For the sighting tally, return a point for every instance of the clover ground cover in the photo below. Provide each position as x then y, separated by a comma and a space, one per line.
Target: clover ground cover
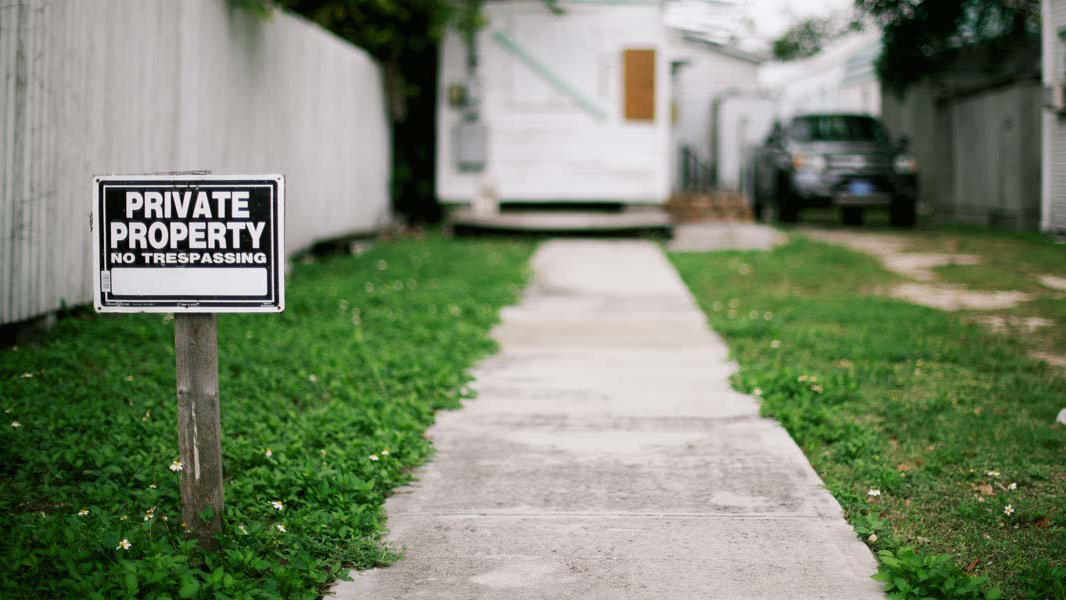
323, 413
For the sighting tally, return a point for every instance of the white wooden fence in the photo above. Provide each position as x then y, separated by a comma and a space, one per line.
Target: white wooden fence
138, 86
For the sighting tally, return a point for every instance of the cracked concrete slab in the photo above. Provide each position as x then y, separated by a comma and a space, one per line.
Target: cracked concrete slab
606, 456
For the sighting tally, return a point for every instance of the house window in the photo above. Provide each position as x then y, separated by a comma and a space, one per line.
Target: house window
639, 73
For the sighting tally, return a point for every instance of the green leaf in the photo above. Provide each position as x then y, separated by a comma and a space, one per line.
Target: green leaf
188, 589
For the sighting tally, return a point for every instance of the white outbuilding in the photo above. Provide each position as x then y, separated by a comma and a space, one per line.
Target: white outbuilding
568, 106
718, 110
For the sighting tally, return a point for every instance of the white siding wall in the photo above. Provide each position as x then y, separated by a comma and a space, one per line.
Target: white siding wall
1054, 126
123, 86
707, 75
541, 145
743, 124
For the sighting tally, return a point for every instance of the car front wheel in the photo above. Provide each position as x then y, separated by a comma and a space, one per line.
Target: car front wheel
902, 212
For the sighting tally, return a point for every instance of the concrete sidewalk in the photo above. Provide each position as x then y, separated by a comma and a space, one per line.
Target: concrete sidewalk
606, 457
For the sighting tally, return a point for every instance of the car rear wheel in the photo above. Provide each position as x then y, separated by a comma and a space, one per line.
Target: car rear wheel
851, 215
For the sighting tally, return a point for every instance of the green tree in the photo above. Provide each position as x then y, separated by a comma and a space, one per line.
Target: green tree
808, 36
403, 35
923, 37
803, 39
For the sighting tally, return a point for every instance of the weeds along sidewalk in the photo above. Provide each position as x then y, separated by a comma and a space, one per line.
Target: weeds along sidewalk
323, 413
934, 434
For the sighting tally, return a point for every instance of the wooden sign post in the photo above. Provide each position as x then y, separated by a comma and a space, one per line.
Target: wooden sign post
193, 245
199, 424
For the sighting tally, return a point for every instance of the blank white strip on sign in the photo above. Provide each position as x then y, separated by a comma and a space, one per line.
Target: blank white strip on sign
187, 281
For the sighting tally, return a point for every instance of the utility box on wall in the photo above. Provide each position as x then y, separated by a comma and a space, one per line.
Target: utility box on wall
471, 145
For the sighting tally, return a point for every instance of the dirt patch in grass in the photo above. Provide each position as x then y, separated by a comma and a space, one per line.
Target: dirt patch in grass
999, 279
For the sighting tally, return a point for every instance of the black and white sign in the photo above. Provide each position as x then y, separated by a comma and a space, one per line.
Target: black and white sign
189, 243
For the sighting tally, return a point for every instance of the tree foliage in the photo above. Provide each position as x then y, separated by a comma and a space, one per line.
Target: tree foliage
923, 37
808, 36
803, 39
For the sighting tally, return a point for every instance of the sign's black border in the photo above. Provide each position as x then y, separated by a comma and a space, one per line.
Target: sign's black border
273, 297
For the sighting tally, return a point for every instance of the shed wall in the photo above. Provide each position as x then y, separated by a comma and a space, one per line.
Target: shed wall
543, 143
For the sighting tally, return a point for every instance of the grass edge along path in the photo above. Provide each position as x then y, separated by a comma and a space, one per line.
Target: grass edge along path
934, 435
324, 410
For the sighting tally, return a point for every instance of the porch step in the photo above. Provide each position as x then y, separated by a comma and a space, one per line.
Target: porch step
716, 205
559, 221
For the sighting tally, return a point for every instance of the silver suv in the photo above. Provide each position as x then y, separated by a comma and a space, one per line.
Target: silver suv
843, 160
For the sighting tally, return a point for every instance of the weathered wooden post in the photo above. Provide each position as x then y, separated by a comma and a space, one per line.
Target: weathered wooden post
199, 424
192, 244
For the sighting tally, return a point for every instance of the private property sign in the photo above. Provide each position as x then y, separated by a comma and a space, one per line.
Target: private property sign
189, 243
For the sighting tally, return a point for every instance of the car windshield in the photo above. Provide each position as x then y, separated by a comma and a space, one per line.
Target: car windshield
837, 128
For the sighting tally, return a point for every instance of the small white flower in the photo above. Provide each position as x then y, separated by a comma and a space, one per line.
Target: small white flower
717, 306
129, 377
147, 415
873, 493
803, 378
872, 538
7, 411
757, 392
151, 486
385, 452
177, 466
268, 453
280, 527
817, 389
277, 505
733, 303
83, 512
993, 473
243, 529
26, 375
1012, 486
1008, 510
767, 315
123, 545
123, 517
16, 424
775, 344
382, 265
312, 378
455, 310
374, 457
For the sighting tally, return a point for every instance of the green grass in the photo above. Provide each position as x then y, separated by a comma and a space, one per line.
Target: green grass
913, 402
367, 349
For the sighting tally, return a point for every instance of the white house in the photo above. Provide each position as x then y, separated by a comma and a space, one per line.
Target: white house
839, 78
1053, 181
543, 107
706, 77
